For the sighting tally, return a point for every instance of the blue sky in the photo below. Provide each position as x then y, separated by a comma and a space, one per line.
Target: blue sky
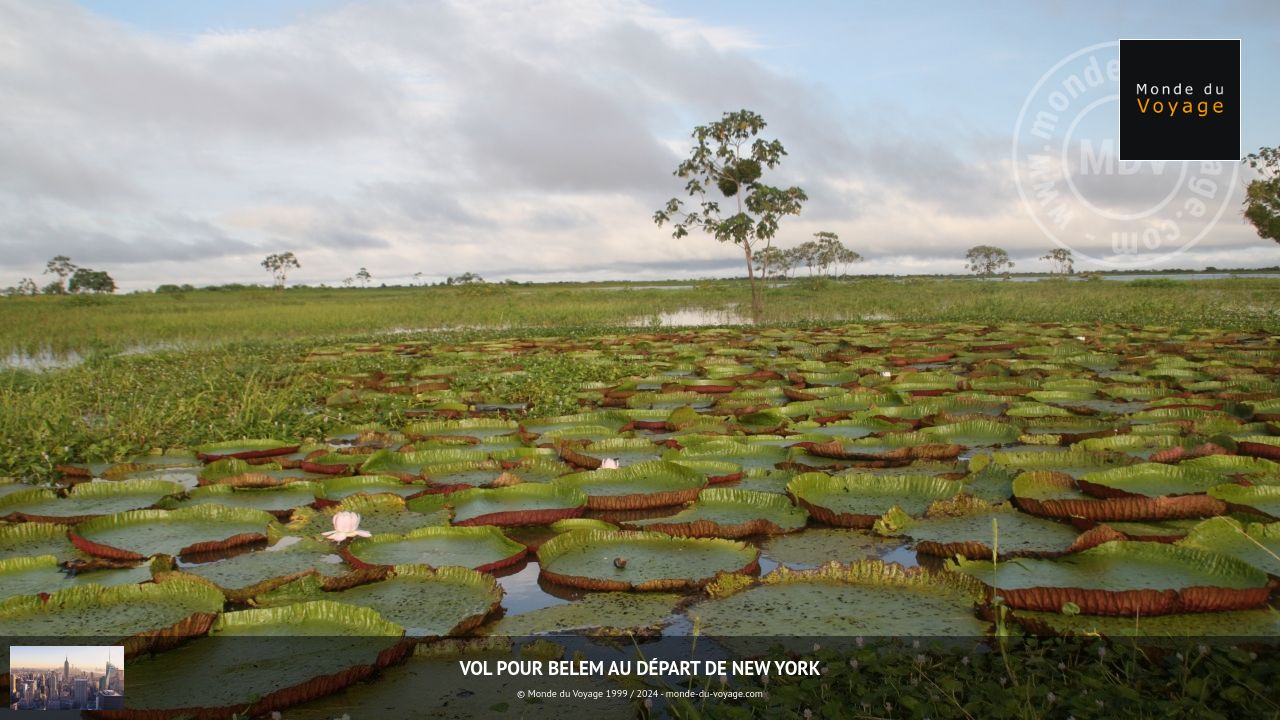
183, 141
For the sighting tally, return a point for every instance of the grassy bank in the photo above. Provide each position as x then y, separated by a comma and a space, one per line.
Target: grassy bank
85, 324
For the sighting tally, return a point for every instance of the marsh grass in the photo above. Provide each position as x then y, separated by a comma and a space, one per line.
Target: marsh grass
32, 325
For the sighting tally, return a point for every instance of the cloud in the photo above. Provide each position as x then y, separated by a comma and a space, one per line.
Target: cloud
509, 139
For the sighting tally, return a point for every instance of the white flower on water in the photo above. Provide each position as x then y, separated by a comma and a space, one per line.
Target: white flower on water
346, 525
885, 373
609, 464
1081, 338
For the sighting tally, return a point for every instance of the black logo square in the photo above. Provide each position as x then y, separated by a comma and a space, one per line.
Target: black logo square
1180, 100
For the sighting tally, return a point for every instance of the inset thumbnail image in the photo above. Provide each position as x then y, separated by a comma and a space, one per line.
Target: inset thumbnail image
66, 677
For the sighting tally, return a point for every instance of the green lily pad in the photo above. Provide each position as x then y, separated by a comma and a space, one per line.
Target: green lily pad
425, 601
1149, 480
32, 538
31, 575
244, 575
523, 504
115, 612
868, 598
605, 613
380, 514
974, 530
138, 534
243, 449
1255, 543
819, 546
332, 645
338, 488
729, 513
974, 433
272, 499
603, 560
1125, 578
636, 487
89, 499
857, 500
1264, 499
482, 548
1252, 624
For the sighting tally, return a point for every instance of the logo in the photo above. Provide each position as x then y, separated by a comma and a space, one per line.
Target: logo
1067, 167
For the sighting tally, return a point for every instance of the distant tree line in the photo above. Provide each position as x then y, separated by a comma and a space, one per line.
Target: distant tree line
69, 278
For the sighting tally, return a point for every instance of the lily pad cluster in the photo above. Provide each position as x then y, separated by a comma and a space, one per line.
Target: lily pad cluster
894, 479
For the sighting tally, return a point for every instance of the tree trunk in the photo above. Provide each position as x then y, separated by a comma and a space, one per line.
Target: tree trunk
757, 302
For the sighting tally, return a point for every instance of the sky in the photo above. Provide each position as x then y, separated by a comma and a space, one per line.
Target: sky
81, 657
182, 142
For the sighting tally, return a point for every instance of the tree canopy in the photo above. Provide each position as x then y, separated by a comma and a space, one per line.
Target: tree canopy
987, 260
1262, 196
729, 156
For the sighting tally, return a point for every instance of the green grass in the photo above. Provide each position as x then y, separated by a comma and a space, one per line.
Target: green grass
85, 325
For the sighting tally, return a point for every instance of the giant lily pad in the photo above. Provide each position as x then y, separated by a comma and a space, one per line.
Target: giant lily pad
42, 574
974, 433
278, 500
425, 601
1056, 495
331, 646
729, 513
138, 534
86, 500
972, 529
141, 615
523, 504
244, 449
819, 546
379, 514
857, 500
1255, 543
482, 548
31, 538
1252, 624
864, 598
340, 487
618, 560
1125, 578
1148, 480
1263, 499
636, 487
244, 575
604, 613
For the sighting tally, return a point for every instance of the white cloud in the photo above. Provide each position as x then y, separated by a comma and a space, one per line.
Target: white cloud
518, 140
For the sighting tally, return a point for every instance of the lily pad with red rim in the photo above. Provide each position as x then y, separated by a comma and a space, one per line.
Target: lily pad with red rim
423, 600
636, 487
1125, 578
138, 534
729, 513
483, 548
648, 561
521, 504
244, 449
857, 500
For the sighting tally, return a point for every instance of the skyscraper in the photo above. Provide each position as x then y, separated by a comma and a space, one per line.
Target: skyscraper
66, 670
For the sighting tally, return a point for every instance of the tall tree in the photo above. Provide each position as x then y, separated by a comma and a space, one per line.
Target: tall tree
1060, 261
364, 277
279, 265
1262, 196
94, 281
729, 156
987, 260
62, 267
771, 258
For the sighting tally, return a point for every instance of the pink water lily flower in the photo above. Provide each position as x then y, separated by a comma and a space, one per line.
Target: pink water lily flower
346, 525
609, 464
